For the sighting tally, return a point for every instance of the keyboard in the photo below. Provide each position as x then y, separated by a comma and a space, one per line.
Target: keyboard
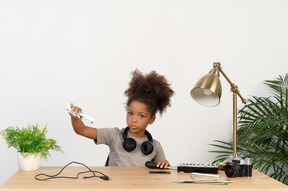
200, 168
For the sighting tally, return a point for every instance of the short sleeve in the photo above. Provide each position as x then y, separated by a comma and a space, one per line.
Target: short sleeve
106, 135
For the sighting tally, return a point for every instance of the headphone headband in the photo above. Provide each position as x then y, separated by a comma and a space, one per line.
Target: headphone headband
148, 135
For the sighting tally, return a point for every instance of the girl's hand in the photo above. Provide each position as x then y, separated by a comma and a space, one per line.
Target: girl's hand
163, 164
75, 111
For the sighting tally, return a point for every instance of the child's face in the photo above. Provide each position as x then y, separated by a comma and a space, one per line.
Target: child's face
138, 117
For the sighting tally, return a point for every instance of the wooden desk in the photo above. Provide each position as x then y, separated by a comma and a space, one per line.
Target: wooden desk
133, 179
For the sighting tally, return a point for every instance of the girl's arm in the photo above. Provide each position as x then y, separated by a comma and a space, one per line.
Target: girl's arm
160, 157
79, 126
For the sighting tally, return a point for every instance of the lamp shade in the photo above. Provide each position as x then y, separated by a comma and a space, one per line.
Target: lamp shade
207, 91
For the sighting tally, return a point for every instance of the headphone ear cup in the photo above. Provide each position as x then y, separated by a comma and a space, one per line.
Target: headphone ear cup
147, 147
129, 144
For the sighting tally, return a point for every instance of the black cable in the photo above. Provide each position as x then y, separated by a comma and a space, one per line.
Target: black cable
56, 176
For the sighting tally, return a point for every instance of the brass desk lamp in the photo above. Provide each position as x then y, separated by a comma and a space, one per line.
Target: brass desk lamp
207, 91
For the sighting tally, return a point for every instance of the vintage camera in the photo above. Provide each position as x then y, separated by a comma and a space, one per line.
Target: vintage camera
238, 167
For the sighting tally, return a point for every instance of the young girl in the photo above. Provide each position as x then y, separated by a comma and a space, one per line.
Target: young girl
133, 145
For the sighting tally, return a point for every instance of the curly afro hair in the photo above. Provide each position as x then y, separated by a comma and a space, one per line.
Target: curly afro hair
151, 89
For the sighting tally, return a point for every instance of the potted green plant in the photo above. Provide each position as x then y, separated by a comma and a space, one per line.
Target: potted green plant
263, 132
31, 144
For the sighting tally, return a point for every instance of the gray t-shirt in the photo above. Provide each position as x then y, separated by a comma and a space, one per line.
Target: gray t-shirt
118, 156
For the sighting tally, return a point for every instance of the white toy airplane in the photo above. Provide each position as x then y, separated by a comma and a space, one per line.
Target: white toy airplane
81, 115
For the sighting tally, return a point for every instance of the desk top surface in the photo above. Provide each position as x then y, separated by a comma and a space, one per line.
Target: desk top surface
133, 179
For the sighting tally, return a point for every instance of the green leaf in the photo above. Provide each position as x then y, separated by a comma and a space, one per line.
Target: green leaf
30, 140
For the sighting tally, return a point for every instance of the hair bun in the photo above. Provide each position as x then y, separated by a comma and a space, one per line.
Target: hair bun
151, 89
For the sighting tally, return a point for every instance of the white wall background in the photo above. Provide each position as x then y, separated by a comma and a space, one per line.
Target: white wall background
54, 52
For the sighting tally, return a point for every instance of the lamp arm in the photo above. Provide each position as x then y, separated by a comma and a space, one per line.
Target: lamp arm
234, 88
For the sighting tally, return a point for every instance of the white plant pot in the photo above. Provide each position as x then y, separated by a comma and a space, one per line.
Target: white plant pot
28, 162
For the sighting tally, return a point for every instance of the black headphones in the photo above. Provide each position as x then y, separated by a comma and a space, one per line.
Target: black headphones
130, 144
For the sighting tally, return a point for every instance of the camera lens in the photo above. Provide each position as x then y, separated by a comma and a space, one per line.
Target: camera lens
232, 170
